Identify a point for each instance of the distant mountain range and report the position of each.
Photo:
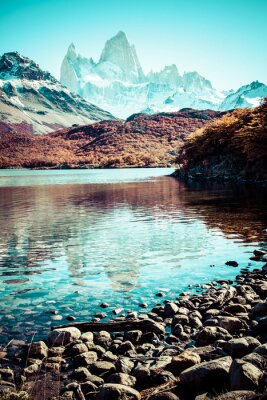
(118, 84)
(33, 101)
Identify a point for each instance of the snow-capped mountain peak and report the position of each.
(14, 66)
(118, 84)
(120, 53)
(71, 53)
(33, 100)
(249, 95)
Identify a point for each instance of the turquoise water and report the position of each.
(73, 239)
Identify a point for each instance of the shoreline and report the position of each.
(179, 349)
(69, 167)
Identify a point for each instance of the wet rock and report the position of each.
(210, 334)
(63, 336)
(100, 315)
(6, 374)
(109, 356)
(180, 319)
(132, 315)
(81, 373)
(56, 351)
(142, 373)
(70, 318)
(123, 379)
(183, 361)
(38, 350)
(126, 347)
(262, 325)
(208, 375)
(241, 346)
(183, 311)
(103, 339)
(133, 336)
(88, 388)
(87, 358)
(259, 253)
(260, 309)
(232, 263)
(124, 365)
(87, 337)
(211, 313)
(6, 388)
(104, 305)
(143, 305)
(117, 311)
(244, 375)
(178, 330)
(256, 359)
(160, 294)
(163, 396)
(31, 370)
(231, 324)
(170, 309)
(79, 349)
(96, 380)
(262, 349)
(160, 377)
(116, 391)
(237, 395)
(96, 348)
(235, 309)
(195, 322)
(102, 368)
(68, 395)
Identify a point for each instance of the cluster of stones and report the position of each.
(211, 345)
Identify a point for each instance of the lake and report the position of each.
(73, 239)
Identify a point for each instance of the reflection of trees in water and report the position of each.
(238, 210)
(47, 222)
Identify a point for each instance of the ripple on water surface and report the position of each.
(71, 240)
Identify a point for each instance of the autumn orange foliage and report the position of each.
(234, 146)
(142, 140)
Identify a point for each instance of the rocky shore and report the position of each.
(204, 346)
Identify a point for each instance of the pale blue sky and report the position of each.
(223, 40)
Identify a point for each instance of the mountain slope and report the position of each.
(246, 96)
(233, 147)
(142, 140)
(117, 82)
(34, 100)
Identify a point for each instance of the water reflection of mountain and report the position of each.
(73, 223)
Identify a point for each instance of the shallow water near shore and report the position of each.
(73, 239)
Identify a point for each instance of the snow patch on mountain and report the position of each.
(246, 96)
(34, 97)
(118, 84)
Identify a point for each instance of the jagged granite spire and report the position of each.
(119, 52)
(71, 53)
(68, 74)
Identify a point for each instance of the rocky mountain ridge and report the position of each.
(33, 100)
(118, 84)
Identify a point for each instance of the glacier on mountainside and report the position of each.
(118, 84)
